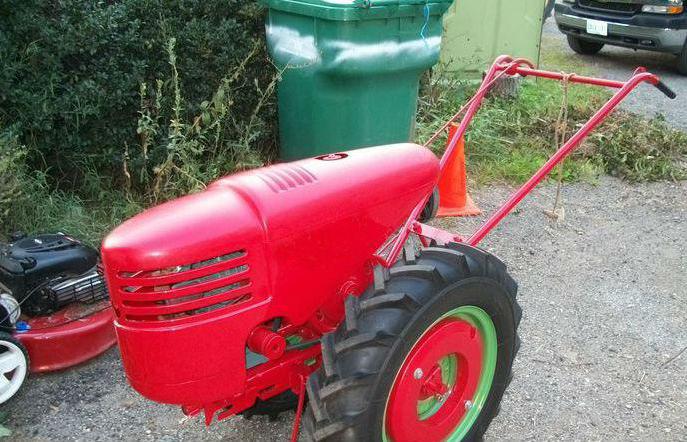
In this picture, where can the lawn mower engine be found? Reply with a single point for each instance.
(54, 304)
(47, 272)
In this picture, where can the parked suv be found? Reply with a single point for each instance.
(653, 25)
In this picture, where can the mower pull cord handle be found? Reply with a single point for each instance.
(661, 86)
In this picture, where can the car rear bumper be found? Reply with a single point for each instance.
(622, 34)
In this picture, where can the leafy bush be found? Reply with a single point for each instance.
(188, 152)
(11, 172)
(89, 86)
(111, 106)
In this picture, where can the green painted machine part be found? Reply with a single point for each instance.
(350, 70)
(478, 31)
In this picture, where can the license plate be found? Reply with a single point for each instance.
(597, 27)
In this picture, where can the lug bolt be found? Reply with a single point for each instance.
(418, 374)
(468, 405)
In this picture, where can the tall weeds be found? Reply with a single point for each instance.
(193, 149)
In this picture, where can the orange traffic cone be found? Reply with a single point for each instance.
(453, 195)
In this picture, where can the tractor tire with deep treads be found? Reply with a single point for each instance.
(399, 321)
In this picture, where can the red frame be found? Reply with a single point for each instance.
(506, 65)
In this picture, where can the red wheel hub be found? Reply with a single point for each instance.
(433, 385)
(436, 384)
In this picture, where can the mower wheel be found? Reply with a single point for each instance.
(14, 366)
(424, 354)
(273, 407)
(584, 47)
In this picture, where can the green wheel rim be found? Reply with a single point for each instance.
(481, 320)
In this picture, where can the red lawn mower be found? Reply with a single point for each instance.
(54, 307)
(299, 277)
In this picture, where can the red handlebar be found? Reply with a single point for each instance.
(506, 65)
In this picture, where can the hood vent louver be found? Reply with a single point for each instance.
(282, 178)
(175, 293)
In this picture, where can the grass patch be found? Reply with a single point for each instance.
(29, 203)
(511, 138)
(87, 220)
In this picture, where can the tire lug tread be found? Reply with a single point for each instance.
(373, 328)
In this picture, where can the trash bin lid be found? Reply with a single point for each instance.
(348, 10)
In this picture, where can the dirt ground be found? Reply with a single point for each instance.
(605, 303)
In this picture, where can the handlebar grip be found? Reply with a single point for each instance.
(661, 86)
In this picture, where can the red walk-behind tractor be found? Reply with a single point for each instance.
(301, 277)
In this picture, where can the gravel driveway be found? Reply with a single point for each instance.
(619, 63)
(604, 303)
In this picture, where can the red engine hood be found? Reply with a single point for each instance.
(190, 279)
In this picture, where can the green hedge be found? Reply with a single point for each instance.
(71, 87)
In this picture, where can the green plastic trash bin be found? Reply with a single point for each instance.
(350, 70)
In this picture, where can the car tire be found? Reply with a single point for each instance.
(548, 9)
(682, 61)
(584, 47)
